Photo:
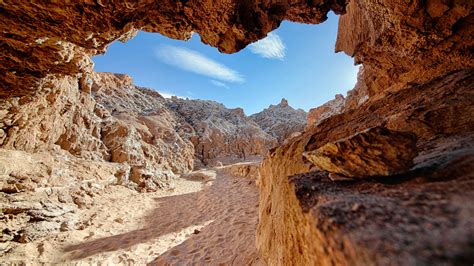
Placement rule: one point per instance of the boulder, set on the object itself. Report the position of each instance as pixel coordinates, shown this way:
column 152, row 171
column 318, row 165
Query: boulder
column 376, row 151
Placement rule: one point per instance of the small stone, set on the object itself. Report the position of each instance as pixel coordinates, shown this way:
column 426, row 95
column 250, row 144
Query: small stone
column 355, row 207
column 336, row 177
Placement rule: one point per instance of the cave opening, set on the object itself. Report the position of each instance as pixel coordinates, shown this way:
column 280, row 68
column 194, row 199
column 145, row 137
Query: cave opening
column 95, row 169
column 296, row 62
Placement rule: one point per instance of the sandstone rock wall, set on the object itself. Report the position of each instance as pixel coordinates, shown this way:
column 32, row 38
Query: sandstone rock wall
column 137, row 133
column 403, row 43
column 58, row 117
column 322, row 221
column 417, row 77
column 41, row 192
column 331, row 108
column 58, row 38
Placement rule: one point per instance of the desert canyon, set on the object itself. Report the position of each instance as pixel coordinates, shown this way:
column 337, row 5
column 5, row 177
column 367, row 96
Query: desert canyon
column 96, row 170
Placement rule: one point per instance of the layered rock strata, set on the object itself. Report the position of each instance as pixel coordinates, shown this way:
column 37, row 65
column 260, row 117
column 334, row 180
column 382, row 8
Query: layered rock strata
column 417, row 77
column 373, row 152
column 59, row 38
column 325, row 222
column 221, row 134
column 62, row 118
column 331, row 108
column 281, row 120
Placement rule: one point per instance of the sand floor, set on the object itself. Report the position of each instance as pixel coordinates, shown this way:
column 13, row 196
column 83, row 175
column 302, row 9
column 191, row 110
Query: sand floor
column 196, row 223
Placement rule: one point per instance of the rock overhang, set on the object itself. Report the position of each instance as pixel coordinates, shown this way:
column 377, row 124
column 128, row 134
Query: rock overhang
column 59, row 38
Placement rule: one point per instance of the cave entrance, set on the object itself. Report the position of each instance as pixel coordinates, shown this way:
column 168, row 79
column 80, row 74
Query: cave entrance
column 296, row 62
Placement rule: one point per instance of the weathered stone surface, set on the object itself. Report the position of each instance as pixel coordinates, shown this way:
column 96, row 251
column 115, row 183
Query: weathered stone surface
column 373, row 152
column 58, row 38
column 406, row 42
column 331, row 108
column 421, row 220
column 281, row 120
column 417, row 77
column 244, row 169
column 129, row 125
column 317, row 232
column 219, row 133
column 41, row 193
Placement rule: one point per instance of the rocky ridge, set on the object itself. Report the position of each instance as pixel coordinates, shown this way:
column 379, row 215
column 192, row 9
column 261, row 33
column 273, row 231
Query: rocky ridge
column 220, row 134
column 281, row 121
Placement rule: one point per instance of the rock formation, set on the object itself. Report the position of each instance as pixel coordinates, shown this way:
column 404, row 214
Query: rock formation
column 116, row 133
column 221, row 134
column 374, row 152
column 58, row 38
column 281, row 120
column 417, row 77
column 346, row 222
column 331, row 108
column 60, row 117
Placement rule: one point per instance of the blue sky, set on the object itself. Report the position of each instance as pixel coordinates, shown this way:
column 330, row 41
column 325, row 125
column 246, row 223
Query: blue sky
column 296, row 61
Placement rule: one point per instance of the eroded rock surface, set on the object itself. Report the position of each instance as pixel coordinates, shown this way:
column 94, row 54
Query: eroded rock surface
column 60, row 117
column 41, row 193
column 331, row 108
column 58, row 38
column 373, row 152
column 402, row 43
column 244, row 169
column 417, row 77
column 220, row 133
column 281, row 120
column 308, row 211
column 67, row 141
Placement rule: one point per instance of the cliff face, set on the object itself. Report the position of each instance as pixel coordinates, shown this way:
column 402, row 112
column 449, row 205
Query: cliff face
column 365, row 222
column 60, row 117
column 281, row 120
column 117, row 133
column 221, row 134
column 404, row 43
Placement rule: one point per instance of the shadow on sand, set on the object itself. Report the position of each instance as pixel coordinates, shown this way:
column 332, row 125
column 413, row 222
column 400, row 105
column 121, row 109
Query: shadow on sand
column 230, row 201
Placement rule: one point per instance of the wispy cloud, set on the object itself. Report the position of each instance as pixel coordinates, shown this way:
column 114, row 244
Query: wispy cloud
column 195, row 62
column 270, row 47
column 219, row 84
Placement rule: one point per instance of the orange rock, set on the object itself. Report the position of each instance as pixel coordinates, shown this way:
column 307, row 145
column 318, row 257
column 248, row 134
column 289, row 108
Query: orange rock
column 373, row 152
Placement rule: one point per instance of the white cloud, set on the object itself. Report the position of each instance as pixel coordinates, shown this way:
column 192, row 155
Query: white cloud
column 195, row 62
column 219, row 84
column 270, row 47
column 168, row 95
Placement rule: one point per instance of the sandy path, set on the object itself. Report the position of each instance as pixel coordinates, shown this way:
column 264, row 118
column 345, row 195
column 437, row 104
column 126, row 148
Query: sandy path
column 225, row 212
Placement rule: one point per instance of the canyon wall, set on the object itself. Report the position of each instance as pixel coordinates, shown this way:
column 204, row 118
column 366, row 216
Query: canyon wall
column 417, row 77
column 40, row 38
column 62, row 146
column 414, row 217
